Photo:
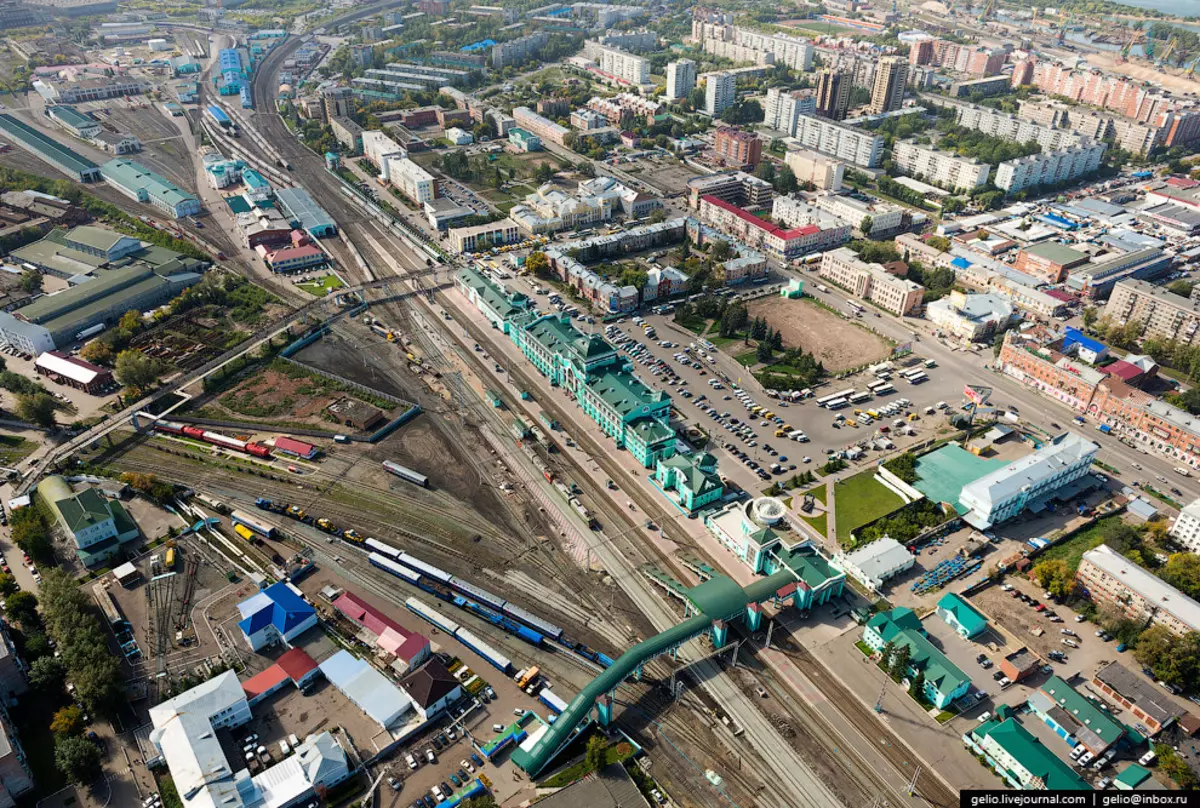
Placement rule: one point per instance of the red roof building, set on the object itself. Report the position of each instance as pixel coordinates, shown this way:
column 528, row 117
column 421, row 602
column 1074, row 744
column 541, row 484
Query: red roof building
column 1126, row 372
column 295, row 448
column 295, row 667
column 386, row 634
column 758, row 233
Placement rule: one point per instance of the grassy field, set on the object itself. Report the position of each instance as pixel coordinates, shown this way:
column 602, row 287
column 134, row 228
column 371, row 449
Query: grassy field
column 322, row 286
column 1072, row 550
column 860, row 499
column 14, row 449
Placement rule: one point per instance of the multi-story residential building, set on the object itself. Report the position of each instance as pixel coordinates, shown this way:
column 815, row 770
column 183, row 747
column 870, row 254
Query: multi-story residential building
column 802, row 235
column 945, row 169
column 336, row 102
column 886, row 220
column 1023, row 72
column 1051, row 114
column 736, row 147
column 1096, row 280
column 856, row 146
column 870, row 282
column 519, row 50
column 754, row 46
column 681, row 79
column 626, row 67
column 348, row 133
column 1186, row 530
column 484, row 236
column 1028, row 481
column 644, row 110
column 962, row 58
column 891, row 79
column 1049, row 261
column 720, row 93
column 833, row 94
column 823, row 172
column 586, row 120
column 737, row 187
column 544, row 128
column 1163, row 314
column 1048, row 168
column 1111, row 580
column 920, row 52
column 991, row 85
column 782, row 108
column 1011, row 127
column 16, row 778
column 639, row 41
column 411, row 180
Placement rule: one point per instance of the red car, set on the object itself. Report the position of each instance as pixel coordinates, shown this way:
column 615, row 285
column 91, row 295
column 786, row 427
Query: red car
column 1041, row 607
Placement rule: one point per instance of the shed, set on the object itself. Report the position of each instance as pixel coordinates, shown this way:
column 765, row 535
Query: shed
column 295, row 448
column 960, row 615
column 126, row 574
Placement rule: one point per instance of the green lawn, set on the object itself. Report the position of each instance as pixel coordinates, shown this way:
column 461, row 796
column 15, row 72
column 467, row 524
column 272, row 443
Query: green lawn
column 860, row 499
column 322, row 286
column 818, row 493
column 14, row 448
column 819, row 523
column 1072, row 550
column 747, row 359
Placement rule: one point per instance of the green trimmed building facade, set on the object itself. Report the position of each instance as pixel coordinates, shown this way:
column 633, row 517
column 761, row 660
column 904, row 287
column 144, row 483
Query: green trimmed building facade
column 945, row 682
column 98, row 526
column 636, row 417
column 1020, row 759
column 690, row 480
column 965, row 619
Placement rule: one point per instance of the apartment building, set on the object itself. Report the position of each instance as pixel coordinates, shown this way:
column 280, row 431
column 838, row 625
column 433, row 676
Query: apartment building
column 544, row 128
column 825, row 173
column 519, row 50
column 1186, row 530
column 944, row 169
column 782, row 108
column 736, row 147
column 803, row 230
column 754, row 46
column 833, row 94
column 886, row 219
column 1048, row 168
column 484, row 236
column 989, row 85
column 681, row 79
column 411, row 180
column 1163, row 314
column 720, row 93
column 914, row 248
column 348, row 133
column 644, row 110
column 1111, row 580
column 737, row 187
column 963, row 58
column 1051, row 114
column 1012, row 127
column 639, row 41
column 1049, row 261
column 891, row 79
column 870, row 282
column 623, row 65
column 855, row 146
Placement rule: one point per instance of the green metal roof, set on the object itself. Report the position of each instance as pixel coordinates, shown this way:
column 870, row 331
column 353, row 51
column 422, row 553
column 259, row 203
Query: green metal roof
column 71, row 116
column 1031, row 754
column 966, row 614
column 504, row 305
column 34, row 140
column 901, row 626
column 624, row 392
column 1134, row 775
column 101, row 238
column 134, row 176
column 85, row 509
column 719, row 598
column 1083, row 710
column 1058, row 253
column 811, row 568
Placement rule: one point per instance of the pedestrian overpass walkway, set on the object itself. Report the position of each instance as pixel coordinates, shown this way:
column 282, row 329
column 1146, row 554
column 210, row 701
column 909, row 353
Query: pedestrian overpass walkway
column 709, row 607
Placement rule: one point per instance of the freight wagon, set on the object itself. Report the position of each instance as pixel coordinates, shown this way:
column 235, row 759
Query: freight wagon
column 548, row 698
column 246, row 533
column 406, row 473
column 259, row 527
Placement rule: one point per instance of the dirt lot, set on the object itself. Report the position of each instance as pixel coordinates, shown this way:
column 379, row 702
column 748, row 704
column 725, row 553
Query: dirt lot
column 838, row 343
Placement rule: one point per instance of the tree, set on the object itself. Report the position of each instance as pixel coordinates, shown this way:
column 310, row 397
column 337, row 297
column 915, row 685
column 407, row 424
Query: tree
column 785, row 181
column 543, row 173
column 67, row 721
column 31, row 281
column 1189, row 400
column 1055, row 577
column 865, row 225
column 916, row 688
column 1182, row 571
column 36, row 408
column 130, row 321
column 136, row 370
column 765, row 170
column 721, row 251
column 1183, row 288
column 764, row 353
column 1090, row 315
column 98, row 351
column 899, row 664
column 22, row 607
column 885, row 654
column 657, row 216
column 30, row 533
column 47, row 674
column 586, row 168
column 78, row 759
column 538, row 264
column 8, row 584
column 594, row 756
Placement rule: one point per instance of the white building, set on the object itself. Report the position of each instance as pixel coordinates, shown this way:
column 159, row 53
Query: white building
column 846, row 143
column 782, row 108
column 719, row 93
column 1111, row 579
column 1186, row 530
column 411, row 180
column 1029, row 482
column 681, row 79
column 184, row 736
column 459, row 137
column 885, row 218
column 870, row 282
column 875, row 564
column 378, row 147
column 940, row 168
column 1049, row 167
column 970, row 317
column 824, row 172
column 622, row 64
column 1011, row 127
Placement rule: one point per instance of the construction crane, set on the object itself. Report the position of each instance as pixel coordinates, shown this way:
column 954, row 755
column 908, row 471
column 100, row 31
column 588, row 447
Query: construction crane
column 1166, row 53
column 989, row 10
column 1191, row 69
column 1134, row 38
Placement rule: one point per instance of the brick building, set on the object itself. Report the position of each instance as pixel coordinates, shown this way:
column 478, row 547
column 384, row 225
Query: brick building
column 737, row 148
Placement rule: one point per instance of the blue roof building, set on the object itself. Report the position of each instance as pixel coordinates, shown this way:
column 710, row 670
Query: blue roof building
column 960, row 263
column 277, row 614
column 1086, row 348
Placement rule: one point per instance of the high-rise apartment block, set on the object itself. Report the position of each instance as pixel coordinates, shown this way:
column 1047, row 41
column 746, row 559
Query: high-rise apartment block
column 737, row 148
column 782, row 108
column 891, row 78
column 944, row 169
column 719, row 93
column 833, row 94
column 681, row 79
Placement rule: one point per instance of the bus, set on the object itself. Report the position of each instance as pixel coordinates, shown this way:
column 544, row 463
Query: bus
column 837, row 404
column 912, row 372
column 885, row 390
column 859, row 398
column 917, row 378
column 873, row 386
column 824, row 401
column 855, row 306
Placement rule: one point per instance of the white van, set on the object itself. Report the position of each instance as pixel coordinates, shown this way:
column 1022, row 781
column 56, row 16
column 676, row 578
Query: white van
column 284, row 748
column 411, row 761
column 1183, row 471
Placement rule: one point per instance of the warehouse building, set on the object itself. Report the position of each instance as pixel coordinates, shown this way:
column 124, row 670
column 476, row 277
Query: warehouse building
column 98, row 526
column 876, row 563
column 143, row 185
column 74, row 165
column 185, row 739
column 73, row 121
column 1148, row 703
column 405, row 649
column 304, row 213
column 1074, row 717
column 371, row 691
column 73, row 371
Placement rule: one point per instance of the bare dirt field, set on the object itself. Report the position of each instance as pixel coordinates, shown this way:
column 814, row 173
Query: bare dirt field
column 1143, row 72
column 837, row 343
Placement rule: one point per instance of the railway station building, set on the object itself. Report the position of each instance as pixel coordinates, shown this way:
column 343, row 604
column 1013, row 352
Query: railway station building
column 690, row 481
column 944, row 681
column 278, row 613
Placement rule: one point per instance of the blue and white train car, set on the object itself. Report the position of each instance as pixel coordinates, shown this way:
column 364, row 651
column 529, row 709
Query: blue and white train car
column 532, row 620
column 472, row 641
column 388, row 565
column 477, row 593
column 420, row 566
column 548, row 698
column 432, row 616
column 383, row 549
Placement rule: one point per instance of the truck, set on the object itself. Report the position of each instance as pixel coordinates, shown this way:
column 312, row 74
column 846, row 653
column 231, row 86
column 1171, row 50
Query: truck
column 822, row 288
column 1105, row 428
